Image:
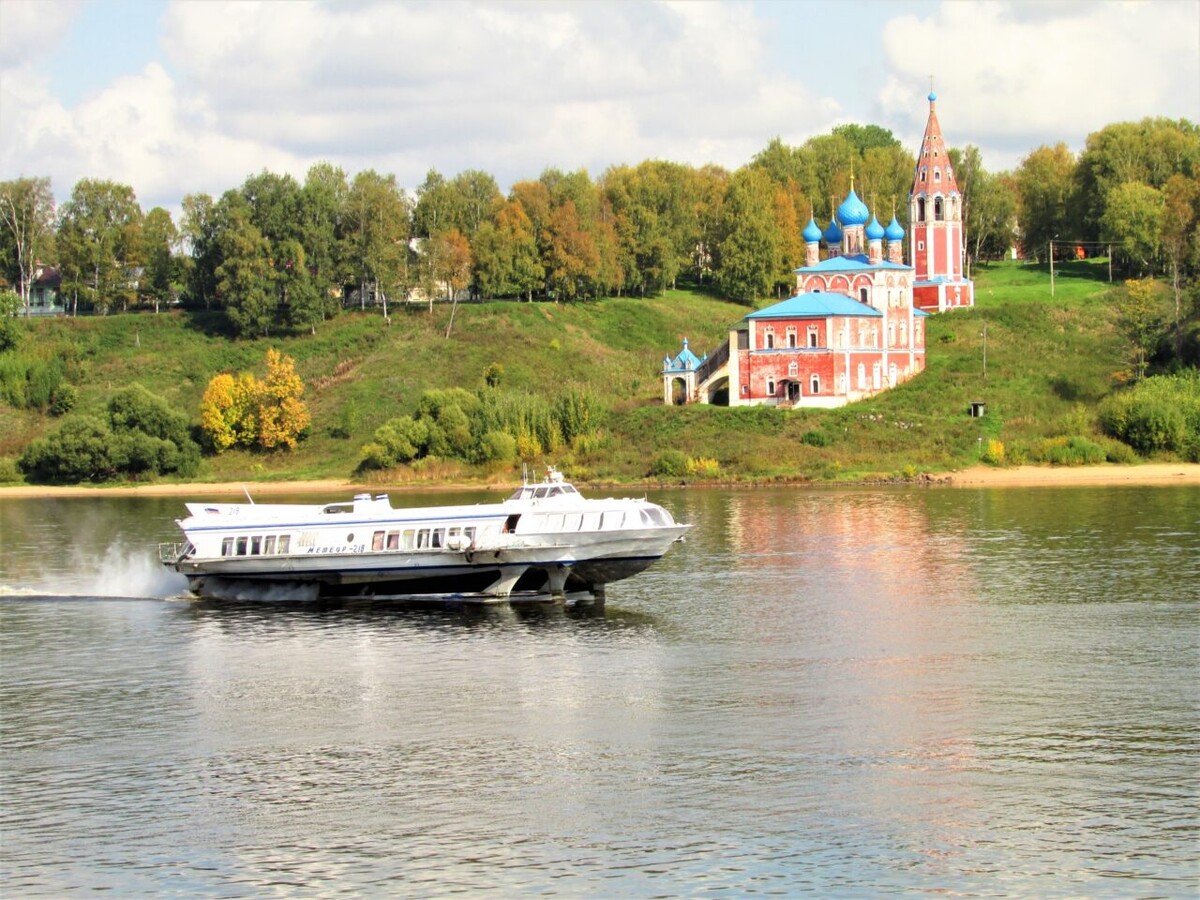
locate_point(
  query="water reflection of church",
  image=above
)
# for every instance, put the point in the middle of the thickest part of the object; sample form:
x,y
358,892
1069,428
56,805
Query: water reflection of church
x,y
856,324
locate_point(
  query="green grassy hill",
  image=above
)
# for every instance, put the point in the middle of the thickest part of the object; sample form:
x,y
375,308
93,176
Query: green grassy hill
x,y
1048,363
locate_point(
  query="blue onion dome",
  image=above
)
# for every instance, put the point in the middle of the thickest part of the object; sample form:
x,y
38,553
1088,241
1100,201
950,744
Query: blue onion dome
x,y
874,230
853,211
812,232
894,231
932,96
833,234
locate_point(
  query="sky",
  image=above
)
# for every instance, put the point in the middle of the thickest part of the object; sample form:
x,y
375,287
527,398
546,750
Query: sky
x,y
184,96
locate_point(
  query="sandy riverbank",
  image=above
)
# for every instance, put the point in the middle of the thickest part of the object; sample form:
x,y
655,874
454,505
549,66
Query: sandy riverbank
x,y
1059,476
978,476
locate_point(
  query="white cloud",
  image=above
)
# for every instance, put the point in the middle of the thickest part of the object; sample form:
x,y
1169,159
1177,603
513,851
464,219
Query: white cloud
x,y
506,87
515,87
30,28
1015,76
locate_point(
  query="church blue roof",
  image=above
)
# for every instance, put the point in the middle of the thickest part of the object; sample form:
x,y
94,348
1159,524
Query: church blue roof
x,y
833,234
895,231
853,211
815,305
812,232
685,360
857,263
874,230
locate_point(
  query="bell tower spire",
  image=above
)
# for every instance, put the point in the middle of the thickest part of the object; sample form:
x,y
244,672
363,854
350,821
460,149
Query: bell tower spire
x,y
935,224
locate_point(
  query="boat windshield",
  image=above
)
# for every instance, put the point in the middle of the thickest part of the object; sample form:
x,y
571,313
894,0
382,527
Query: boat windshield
x,y
542,491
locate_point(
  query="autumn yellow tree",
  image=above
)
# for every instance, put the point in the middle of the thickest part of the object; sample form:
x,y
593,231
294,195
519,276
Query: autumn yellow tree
x,y
282,414
241,411
228,411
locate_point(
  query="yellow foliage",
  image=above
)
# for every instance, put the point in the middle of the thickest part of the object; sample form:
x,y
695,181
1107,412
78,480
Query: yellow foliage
x,y
214,412
703,467
282,415
242,411
993,453
528,447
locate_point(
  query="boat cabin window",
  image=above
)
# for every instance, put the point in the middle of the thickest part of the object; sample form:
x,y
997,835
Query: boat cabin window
x,y
422,538
269,545
377,541
256,545
285,543
457,538
540,493
241,546
439,536
393,540
510,524
227,547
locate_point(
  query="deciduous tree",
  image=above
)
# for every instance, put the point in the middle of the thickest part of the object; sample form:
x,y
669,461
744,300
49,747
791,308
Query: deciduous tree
x,y
100,243
160,237
1132,222
244,277
376,225
749,252
27,235
1044,198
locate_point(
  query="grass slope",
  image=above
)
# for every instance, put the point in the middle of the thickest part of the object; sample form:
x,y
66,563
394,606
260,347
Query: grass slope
x,y
1048,362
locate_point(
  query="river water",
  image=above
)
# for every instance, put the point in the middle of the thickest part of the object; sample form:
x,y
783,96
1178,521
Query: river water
x,y
840,692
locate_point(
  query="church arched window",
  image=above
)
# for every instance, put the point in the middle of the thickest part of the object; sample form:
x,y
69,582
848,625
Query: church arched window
x,y
937,175
921,206
938,211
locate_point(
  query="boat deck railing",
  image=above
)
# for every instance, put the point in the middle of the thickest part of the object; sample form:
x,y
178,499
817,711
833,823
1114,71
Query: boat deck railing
x,y
170,553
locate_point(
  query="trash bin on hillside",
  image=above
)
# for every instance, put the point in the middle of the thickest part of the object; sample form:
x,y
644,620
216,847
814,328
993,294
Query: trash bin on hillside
x,y
978,409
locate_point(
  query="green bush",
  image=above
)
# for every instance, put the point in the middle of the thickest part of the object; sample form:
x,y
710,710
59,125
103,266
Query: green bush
x,y
28,381
1117,452
141,435
9,472
669,464
816,439
1159,414
398,440
79,451
496,446
347,422
63,400
1068,451
10,328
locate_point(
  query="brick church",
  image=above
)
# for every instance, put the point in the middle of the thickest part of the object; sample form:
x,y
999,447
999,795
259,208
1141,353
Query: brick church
x,y
856,324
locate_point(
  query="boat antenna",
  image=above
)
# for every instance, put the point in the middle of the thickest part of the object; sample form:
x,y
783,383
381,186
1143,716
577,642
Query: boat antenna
x,y
246,490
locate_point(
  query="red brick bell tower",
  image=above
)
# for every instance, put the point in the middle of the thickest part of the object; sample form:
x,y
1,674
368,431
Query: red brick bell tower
x,y
936,226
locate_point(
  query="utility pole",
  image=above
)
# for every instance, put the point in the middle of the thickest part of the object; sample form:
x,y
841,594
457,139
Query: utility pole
x,y
985,351
1052,268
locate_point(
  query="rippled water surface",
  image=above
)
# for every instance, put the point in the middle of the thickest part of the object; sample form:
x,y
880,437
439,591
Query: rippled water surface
x,y
852,692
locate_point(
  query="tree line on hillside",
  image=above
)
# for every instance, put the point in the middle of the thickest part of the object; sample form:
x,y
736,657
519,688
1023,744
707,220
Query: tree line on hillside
x,y
276,253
